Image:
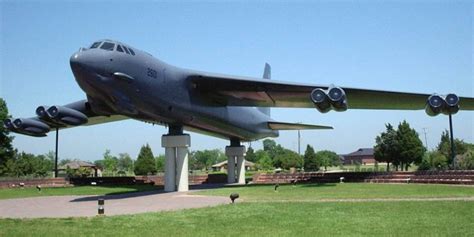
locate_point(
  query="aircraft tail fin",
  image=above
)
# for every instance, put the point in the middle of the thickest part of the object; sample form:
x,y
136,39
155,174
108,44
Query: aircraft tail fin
x,y
295,126
267,74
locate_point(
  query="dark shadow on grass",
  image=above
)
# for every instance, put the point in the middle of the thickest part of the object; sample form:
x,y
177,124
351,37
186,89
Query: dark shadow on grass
x,y
318,185
140,193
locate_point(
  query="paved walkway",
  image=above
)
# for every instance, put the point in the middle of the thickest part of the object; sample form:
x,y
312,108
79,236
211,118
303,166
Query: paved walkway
x,y
83,206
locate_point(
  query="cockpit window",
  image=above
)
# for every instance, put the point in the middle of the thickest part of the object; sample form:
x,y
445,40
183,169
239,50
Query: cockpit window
x,y
108,46
126,50
131,51
95,45
119,48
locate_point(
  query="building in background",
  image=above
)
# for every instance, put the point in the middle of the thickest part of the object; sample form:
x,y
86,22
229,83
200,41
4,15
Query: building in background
x,y
363,156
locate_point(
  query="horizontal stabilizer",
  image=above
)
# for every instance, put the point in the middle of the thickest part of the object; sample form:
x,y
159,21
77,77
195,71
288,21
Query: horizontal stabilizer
x,y
295,126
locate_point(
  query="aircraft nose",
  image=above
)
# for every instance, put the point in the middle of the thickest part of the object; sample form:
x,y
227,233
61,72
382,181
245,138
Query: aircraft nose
x,y
76,60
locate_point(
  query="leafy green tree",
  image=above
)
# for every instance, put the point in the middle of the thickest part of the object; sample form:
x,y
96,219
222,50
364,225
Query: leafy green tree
x,y
409,146
25,164
160,163
273,149
288,159
110,163
99,164
310,159
433,161
263,160
444,146
203,160
124,162
466,161
385,149
6,149
250,155
145,163
328,158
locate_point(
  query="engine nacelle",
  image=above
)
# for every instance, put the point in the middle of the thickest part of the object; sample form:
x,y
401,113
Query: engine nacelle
x,y
337,96
321,100
334,98
42,112
27,126
65,115
452,104
437,104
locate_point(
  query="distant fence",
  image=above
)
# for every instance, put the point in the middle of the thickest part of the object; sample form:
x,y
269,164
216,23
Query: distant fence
x,y
126,180
32,182
440,177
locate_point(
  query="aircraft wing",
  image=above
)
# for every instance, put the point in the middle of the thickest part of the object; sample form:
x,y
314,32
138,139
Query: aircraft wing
x,y
243,91
49,118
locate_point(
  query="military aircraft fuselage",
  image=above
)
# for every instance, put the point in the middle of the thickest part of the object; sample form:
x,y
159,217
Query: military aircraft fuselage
x,y
135,84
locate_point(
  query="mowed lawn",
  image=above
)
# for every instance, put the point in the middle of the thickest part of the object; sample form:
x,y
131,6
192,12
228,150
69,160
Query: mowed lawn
x,y
308,192
288,212
77,190
433,218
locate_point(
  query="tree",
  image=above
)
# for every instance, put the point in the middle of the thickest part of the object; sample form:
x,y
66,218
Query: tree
x,y
466,161
110,163
328,158
385,149
444,146
273,149
250,155
310,159
288,159
409,146
263,160
124,162
145,163
433,161
203,160
160,163
6,149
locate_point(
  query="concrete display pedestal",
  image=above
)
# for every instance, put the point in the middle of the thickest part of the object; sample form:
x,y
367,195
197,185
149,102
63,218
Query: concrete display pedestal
x,y
233,153
176,162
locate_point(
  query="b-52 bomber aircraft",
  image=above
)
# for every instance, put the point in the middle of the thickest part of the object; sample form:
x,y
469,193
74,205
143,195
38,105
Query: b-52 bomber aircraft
x,y
122,82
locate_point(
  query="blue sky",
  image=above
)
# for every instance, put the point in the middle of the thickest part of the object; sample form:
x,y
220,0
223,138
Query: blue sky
x,y
416,47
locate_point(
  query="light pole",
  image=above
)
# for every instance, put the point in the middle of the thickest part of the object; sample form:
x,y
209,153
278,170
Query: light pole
x,y
426,140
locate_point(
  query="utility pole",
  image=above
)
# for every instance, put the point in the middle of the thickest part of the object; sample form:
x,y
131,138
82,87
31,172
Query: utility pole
x,y
426,140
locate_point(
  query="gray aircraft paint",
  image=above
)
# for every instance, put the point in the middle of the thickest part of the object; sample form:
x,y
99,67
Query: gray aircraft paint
x,y
120,85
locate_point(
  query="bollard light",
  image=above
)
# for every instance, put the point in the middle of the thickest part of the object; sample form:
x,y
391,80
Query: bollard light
x,y
293,181
101,208
276,186
38,187
234,196
341,180
408,180
93,183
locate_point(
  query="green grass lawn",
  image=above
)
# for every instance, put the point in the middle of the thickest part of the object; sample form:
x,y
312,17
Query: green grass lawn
x,y
77,190
279,213
269,219
304,192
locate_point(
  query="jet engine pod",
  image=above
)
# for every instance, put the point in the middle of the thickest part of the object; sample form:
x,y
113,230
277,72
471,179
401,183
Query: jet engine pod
x,y
452,104
320,100
435,105
41,111
31,127
337,96
66,115
8,123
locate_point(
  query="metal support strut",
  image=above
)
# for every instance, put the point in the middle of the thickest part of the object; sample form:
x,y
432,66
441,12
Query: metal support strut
x,y
453,155
56,155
